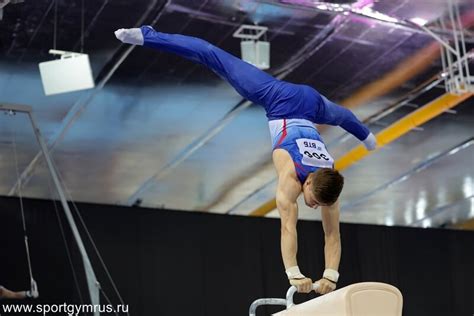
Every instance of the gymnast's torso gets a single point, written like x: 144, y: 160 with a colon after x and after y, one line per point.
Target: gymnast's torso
x: 302, y: 141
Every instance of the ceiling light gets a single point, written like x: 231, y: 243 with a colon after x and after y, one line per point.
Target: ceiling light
x: 468, y: 186
x: 389, y: 221
x: 426, y: 223
x: 368, y: 12
x: 419, y: 21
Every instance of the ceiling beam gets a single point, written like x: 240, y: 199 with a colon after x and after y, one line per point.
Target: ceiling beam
x: 405, y: 71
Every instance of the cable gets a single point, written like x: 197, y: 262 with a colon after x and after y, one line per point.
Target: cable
x: 68, y: 252
x: 89, y: 236
x: 55, y: 23
x: 107, y: 298
x: 15, y: 154
x: 82, y: 25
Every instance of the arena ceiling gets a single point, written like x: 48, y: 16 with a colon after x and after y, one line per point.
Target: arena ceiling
x: 161, y: 132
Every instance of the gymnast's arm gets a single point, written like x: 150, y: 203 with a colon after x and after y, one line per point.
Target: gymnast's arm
x: 288, y: 190
x: 288, y: 209
x: 333, y: 114
x: 332, y: 247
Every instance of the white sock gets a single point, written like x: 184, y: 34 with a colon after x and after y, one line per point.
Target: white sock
x: 370, y: 142
x: 130, y: 36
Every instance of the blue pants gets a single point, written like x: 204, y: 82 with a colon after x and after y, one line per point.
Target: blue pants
x: 281, y: 99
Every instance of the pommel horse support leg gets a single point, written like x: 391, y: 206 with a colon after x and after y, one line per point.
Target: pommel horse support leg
x: 360, y: 299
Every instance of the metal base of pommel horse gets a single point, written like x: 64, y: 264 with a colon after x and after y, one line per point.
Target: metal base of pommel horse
x: 359, y: 299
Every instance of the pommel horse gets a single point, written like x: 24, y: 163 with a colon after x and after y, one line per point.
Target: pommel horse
x: 359, y: 299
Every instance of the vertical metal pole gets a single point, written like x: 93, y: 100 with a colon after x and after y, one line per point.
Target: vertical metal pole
x: 460, y: 78
x: 463, y: 45
x: 90, y: 275
x: 449, y: 60
x: 446, y: 70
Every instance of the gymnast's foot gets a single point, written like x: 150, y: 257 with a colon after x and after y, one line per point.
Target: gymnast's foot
x: 370, y: 142
x: 132, y: 36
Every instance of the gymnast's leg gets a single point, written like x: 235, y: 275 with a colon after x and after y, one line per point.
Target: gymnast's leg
x: 279, y: 98
x: 333, y: 114
x: 251, y: 82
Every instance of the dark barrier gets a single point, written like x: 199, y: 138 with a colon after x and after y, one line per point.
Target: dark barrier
x: 185, y: 263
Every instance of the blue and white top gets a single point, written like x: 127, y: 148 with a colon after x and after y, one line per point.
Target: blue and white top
x: 300, y: 138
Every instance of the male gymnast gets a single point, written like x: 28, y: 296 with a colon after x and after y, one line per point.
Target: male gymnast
x: 299, y: 154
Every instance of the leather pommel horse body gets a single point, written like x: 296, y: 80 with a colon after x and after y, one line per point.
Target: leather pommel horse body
x: 360, y: 299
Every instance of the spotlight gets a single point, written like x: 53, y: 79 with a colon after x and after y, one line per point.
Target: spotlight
x: 70, y: 73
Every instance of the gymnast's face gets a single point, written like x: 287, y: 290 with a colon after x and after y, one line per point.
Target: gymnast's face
x: 309, y: 198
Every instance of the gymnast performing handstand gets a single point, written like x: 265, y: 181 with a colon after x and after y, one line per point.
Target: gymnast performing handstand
x: 300, y: 157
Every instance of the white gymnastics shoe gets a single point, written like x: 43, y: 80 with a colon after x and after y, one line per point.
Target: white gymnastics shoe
x: 370, y: 142
x: 130, y: 36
